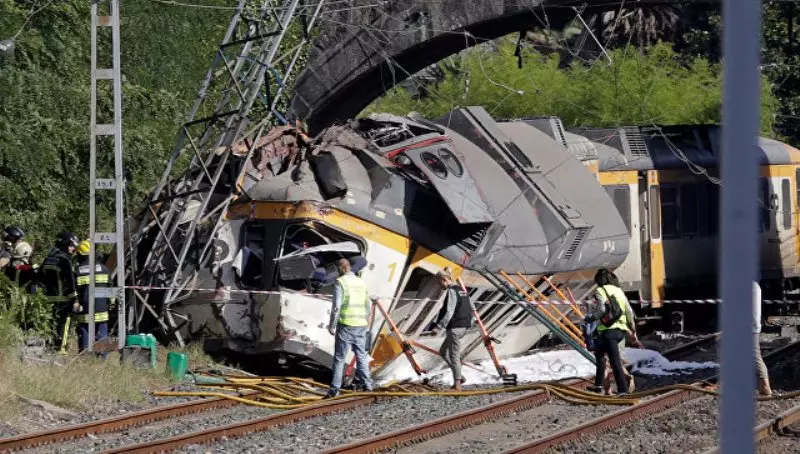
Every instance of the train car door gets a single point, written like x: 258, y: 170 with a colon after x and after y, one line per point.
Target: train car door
x: 644, y: 237
x: 653, y: 273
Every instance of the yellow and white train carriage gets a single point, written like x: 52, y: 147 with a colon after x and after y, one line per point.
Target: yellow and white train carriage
x: 664, y: 182
x: 410, y: 197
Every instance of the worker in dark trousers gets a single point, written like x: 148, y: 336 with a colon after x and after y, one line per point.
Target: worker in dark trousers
x: 455, y: 317
x: 58, y: 281
x: 348, y: 324
x: 101, y: 304
x: 613, y: 328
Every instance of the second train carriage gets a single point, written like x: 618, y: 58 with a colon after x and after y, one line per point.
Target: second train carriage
x: 665, y: 183
x: 406, y: 198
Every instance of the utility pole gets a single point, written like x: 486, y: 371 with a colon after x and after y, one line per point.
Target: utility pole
x: 100, y: 21
x: 739, y: 252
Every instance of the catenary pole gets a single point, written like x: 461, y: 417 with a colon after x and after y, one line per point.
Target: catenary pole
x: 739, y: 253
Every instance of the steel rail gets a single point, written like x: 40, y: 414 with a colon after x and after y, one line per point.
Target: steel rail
x: 633, y: 413
x: 447, y: 424
x: 116, y: 423
x: 612, y: 421
x: 475, y: 416
x: 244, y: 428
x: 778, y: 424
x: 164, y: 412
x: 682, y: 349
x: 771, y: 428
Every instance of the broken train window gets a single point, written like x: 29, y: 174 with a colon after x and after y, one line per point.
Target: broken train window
x: 249, y: 262
x: 308, y: 257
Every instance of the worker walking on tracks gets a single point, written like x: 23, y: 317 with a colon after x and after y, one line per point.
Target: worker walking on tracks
x: 349, y: 323
x: 612, y: 328
x: 455, y: 318
x: 58, y: 280
x: 101, y: 304
x: 761, y: 368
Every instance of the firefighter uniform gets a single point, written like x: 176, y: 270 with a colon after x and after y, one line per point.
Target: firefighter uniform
x: 101, y: 304
x: 58, y: 282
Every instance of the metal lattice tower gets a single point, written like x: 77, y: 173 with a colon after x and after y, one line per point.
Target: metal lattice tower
x: 238, y: 102
x: 117, y: 183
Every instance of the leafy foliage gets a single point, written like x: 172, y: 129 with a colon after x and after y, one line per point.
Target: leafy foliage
x: 655, y: 87
x: 28, y: 311
x: 44, y: 93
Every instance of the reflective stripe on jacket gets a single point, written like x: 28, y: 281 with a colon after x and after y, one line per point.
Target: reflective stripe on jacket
x: 99, y: 317
x: 101, y: 304
x: 603, y: 295
x: 355, y: 301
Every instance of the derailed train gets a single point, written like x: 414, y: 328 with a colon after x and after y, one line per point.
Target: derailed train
x: 404, y: 197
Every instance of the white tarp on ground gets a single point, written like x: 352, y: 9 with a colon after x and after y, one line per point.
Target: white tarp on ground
x: 556, y: 365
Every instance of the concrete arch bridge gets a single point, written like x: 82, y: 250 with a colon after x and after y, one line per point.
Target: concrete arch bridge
x: 367, y: 46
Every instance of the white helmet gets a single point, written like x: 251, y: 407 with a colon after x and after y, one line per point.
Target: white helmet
x: 22, y: 252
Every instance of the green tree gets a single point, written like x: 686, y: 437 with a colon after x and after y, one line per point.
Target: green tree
x: 654, y: 87
x: 44, y: 100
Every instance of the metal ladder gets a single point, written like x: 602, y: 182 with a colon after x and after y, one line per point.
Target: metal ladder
x: 188, y: 206
x: 558, y: 324
x: 117, y: 183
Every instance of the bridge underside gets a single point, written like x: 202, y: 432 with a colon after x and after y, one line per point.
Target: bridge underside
x: 363, y: 52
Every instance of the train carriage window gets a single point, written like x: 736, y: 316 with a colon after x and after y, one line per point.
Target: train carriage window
x: 621, y: 195
x: 250, y: 263
x: 301, y: 269
x: 519, y: 318
x: 764, y: 202
x: 669, y: 211
x: 655, y: 213
x: 688, y: 209
x: 786, y: 203
x: 421, y: 285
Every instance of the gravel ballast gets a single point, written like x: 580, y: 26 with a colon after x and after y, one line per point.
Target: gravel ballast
x: 505, y: 433
x: 323, y: 432
x: 158, y: 430
x: 691, y: 427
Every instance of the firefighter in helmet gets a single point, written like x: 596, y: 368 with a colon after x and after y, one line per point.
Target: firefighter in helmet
x: 16, y: 256
x: 58, y: 280
x: 101, y: 304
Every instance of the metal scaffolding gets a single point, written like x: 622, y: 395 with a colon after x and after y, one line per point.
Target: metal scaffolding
x: 117, y: 183
x: 238, y: 103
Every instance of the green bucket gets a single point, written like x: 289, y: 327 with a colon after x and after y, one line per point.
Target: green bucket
x: 141, y: 344
x: 177, y: 364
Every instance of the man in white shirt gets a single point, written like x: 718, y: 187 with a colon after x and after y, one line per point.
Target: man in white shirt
x: 763, y: 375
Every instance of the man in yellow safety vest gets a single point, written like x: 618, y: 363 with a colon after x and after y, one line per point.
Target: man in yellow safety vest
x: 348, y: 323
x: 613, y: 328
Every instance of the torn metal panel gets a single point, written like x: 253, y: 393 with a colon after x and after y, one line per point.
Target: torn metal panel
x: 453, y: 181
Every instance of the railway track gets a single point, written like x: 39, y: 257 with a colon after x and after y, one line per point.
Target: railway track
x: 641, y: 411
x: 775, y: 427
x: 31, y: 440
x: 442, y: 425
x: 654, y: 405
